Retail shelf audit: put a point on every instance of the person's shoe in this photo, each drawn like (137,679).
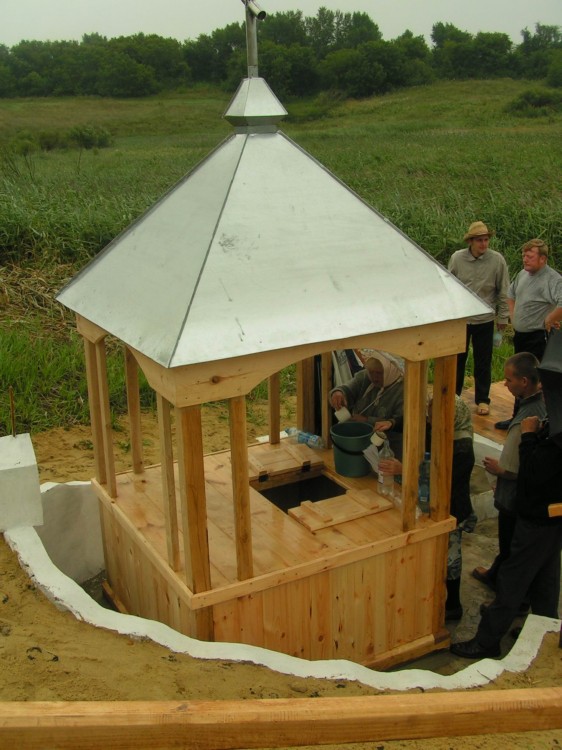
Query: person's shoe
(453,614)
(503,424)
(474,650)
(483,409)
(481,574)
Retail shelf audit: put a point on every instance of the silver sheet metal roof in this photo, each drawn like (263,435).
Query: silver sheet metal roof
(260,248)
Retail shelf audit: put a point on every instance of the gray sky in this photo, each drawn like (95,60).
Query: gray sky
(186,19)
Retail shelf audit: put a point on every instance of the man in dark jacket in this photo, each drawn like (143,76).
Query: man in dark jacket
(533,566)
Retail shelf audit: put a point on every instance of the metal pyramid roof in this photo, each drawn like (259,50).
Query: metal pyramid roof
(260,248)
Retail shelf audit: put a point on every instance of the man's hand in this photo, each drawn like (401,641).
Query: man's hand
(530,424)
(337,400)
(384,425)
(492,466)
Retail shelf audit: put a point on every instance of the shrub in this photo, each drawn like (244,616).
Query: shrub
(90,136)
(536,103)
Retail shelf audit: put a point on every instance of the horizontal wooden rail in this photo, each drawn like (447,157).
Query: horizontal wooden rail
(220,725)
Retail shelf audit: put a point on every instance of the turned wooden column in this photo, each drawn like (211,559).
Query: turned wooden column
(133,408)
(305,394)
(415,405)
(168,483)
(241,487)
(274,403)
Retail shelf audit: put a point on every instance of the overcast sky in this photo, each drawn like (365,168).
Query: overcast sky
(186,19)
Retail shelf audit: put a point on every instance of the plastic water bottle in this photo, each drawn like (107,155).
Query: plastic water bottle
(386,481)
(423,485)
(313,441)
(498,338)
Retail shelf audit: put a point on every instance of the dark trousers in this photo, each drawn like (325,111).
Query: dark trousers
(533,341)
(534,567)
(482,336)
(506,529)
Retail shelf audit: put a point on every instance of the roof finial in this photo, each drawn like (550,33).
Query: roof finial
(253,14)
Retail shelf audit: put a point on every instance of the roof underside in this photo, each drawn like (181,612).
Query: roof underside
(260,248)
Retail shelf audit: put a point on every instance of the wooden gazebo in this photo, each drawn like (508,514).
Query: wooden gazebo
(260,258)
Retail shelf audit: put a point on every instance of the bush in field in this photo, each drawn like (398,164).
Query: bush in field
(90,136)
(536,103)
(50,139)
(554,75)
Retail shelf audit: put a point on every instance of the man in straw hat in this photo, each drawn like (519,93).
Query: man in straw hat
(483,271)
(535,304)
(533,566)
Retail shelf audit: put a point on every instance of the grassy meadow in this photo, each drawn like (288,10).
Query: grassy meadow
(432,159)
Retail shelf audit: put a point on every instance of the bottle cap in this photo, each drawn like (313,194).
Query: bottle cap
(378,438)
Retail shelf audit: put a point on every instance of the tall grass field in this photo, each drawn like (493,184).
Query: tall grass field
(432,159)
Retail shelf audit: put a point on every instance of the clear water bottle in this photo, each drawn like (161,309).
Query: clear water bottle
(423,485)
(385,481)
(299,436)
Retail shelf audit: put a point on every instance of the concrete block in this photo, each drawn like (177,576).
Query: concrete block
(20,495)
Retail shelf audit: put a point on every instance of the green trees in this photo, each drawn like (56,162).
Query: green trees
(335,51)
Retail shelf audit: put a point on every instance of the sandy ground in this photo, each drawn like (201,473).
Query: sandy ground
(49,655)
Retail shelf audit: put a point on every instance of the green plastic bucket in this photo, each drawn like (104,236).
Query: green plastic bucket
(350,440)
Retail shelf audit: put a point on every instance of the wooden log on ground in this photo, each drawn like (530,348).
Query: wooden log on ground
(221,725)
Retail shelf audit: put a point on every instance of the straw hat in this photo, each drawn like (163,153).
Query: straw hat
(477,229)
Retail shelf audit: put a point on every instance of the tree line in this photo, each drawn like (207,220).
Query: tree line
(298,55)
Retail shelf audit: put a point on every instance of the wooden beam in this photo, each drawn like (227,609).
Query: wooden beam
(241,487)
(168,483)
(305,394)
(133,407)
(326,387)
(211,381)
(106,431)
(221,725)
(555,509)
(274,396)
(193,498)
(442,433)
(95,409)
(415,400)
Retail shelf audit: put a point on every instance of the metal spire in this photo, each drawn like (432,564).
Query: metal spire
(253,14)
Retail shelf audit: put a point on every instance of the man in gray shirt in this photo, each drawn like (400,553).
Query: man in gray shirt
(485,272)
(535,304)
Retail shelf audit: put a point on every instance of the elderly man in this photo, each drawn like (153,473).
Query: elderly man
(533,565)
(521,380)
(484,271)
(535,304)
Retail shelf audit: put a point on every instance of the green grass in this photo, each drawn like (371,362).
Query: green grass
(432,159)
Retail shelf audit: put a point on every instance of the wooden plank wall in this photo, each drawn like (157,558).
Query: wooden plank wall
(363,611)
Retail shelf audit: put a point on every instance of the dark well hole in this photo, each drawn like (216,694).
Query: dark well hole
(314,488)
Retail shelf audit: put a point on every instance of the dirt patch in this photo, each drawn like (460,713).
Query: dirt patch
(49,655)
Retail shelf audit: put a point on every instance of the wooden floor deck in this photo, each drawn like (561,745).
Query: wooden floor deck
(501,408)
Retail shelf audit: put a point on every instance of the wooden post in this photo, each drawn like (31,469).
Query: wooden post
(241,487)
(274,395)
(193,498)
(305,395)
(107,434)
(415,400)
(194,510)
(168,483)
(326,387)
(442,436)
(133,406)
(95,409)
